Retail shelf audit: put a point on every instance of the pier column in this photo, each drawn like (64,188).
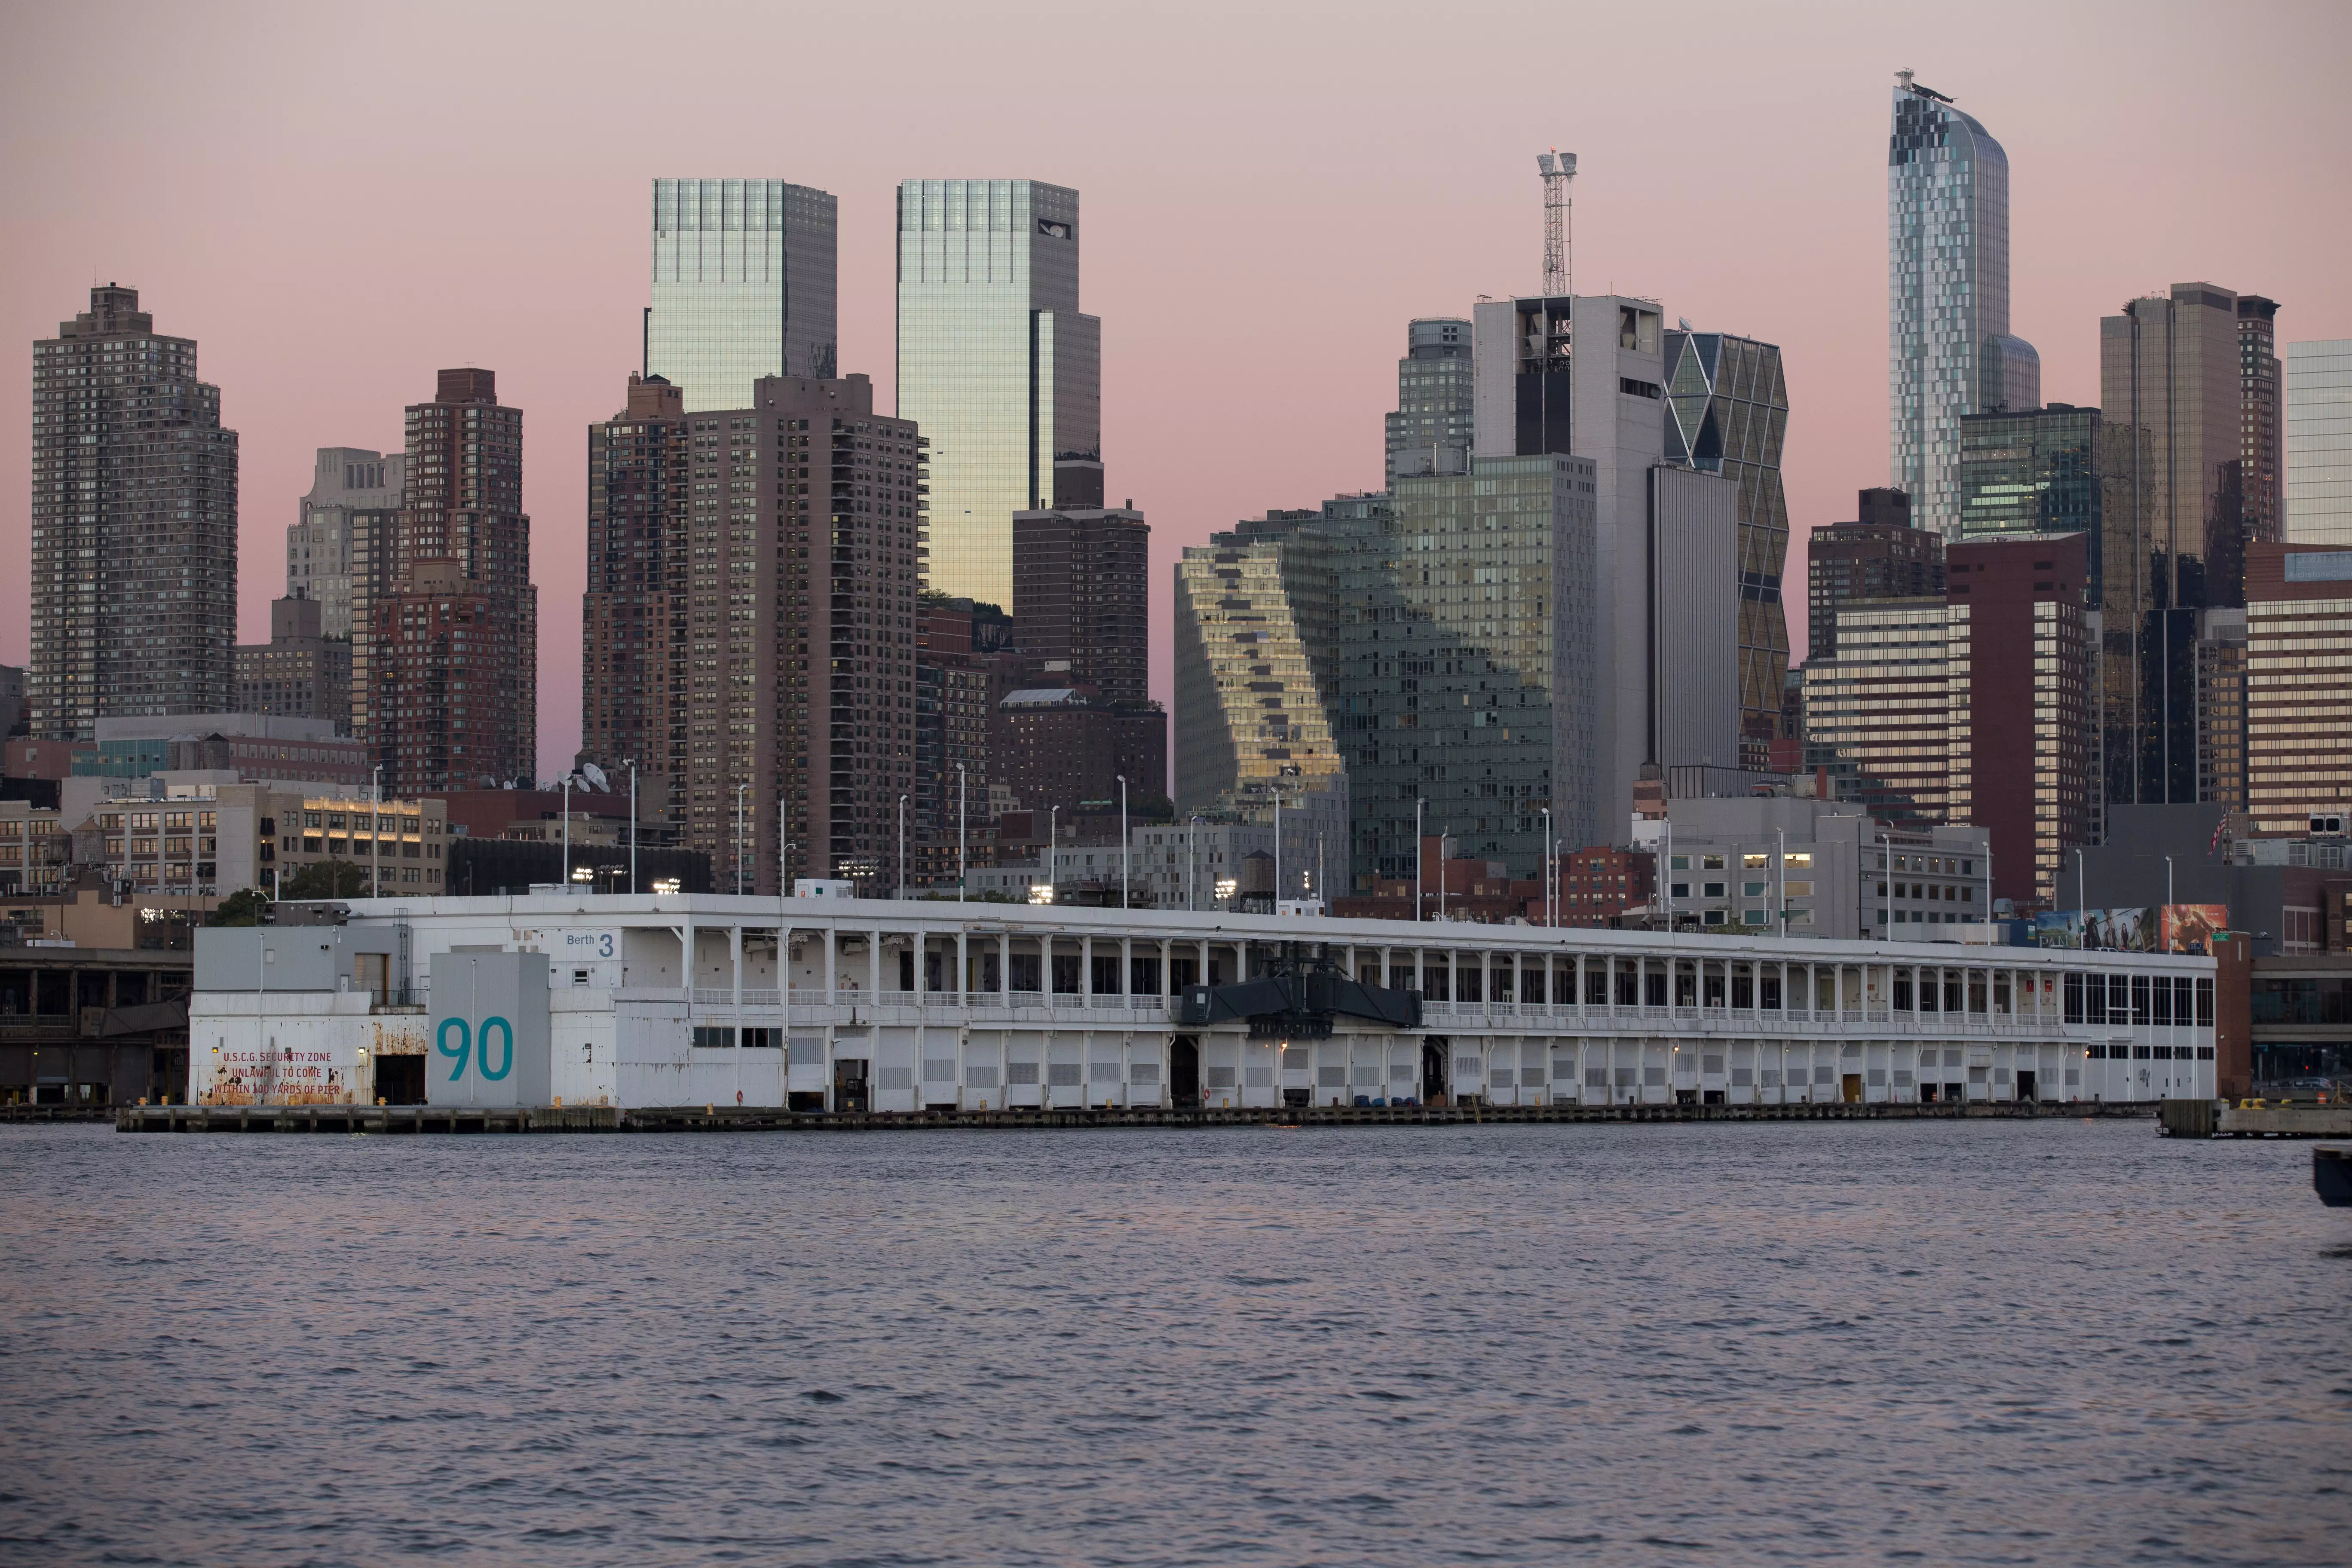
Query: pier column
(831,954)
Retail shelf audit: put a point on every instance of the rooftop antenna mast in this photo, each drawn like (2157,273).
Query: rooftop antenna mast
(1558,168)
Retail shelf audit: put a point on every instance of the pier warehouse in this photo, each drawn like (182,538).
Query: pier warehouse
(885,1005)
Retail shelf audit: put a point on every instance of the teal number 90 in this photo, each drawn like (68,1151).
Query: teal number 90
(465,1047)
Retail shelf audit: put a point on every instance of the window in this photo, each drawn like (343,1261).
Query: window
(1711,863)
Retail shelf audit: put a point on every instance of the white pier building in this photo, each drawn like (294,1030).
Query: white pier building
(681,1000)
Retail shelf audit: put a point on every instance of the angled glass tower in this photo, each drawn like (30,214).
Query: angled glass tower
(1949,351)
(1728,413)
(997,367)
(743,286)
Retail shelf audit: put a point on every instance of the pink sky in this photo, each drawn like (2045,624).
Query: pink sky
(335,201)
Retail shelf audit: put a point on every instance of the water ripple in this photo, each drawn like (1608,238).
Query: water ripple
(1993,1343)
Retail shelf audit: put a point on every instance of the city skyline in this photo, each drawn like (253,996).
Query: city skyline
(1179,231)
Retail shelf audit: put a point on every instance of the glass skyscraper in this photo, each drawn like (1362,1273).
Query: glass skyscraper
(997,366)
(1431,430)
(1728,413)
(1465,662)
(1949,350)
(743,286)
(2319,442)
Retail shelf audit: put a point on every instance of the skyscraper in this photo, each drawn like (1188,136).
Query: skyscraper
(453,641)
(743,286)
(1255,667)
(1971,706)
(997,366)
(1465,665)
(2170,364)
(2319,442)
(1728,413)
(1082,598)
(352,489)
(134,526)
(1950,348)
(2170,367)
(1584,376)
(2263,420)
(1434,401)
(2298,683)
(297,673)
(1880,557)
(749,631)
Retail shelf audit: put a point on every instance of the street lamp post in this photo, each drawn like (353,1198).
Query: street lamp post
(375,834)
(565,879)
(1442,837)
(1419,855)
(632,765)
(1052,845)
(741,790)
(1193,864)
(2168,879)
(1122,841)
(1551,879)
(902,847)
(962,821)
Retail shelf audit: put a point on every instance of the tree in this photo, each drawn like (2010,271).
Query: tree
(326,879)
(245,907)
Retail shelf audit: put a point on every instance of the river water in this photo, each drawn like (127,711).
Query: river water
(2001,1342)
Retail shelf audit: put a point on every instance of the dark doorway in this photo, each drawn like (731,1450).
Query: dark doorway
(1926,1094)
(400,1080)
(849,1083)
(2026,1087)
(1184,1070)
(167,1075)
(1433,1072)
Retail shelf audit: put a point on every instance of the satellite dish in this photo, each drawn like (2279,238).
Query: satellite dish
(596,777)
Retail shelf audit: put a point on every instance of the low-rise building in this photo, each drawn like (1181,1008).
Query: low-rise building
(208,838)
(35,849)
(848,1004)
(1822,866)
(91,1026)
(258,748)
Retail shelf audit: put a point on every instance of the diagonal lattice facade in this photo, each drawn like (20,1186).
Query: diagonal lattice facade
(1728,413)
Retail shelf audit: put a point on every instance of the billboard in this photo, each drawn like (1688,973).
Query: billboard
(2109,930)
(2190,928)
(2163,928)
(489,1041)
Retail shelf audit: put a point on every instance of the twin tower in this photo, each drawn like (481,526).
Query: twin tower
(997,365)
